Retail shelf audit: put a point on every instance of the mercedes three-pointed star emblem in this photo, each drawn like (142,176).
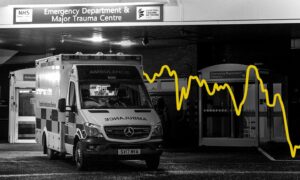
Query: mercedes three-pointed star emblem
(129,131)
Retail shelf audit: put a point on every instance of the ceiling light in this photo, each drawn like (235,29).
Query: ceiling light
(125,43)
(63,36)
(95,38)
(19,45)
(62,40)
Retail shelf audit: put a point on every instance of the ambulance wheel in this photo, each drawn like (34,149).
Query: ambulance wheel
(80,160)
(51,154)
(44,144)
(153,162)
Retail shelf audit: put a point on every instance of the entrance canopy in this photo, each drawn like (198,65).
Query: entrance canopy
(93,39)
(117,25)
(29,13)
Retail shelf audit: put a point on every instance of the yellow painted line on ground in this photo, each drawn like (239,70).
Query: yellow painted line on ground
(185,91)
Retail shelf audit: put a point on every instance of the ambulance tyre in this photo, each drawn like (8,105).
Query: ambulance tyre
(153,162)
(80,159)
(44,144)
(51,154)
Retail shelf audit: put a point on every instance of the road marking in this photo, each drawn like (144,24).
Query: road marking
(233,172)
(16,161)
(172,172)
(273,159)
(47,174)
(266,154)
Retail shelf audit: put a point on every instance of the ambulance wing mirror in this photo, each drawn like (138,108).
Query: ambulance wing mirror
(62,105)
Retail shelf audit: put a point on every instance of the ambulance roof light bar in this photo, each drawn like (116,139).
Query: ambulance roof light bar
(100,56)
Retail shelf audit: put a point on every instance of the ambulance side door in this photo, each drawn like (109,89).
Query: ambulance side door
(71,114)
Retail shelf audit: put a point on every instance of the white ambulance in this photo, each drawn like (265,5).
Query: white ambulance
(96,106)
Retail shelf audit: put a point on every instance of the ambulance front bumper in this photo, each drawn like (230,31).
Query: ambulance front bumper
(103,149)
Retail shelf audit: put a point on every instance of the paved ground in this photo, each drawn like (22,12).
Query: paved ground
(27,162)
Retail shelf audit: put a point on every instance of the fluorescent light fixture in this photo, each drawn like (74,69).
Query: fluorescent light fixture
(125,43)
(95,38)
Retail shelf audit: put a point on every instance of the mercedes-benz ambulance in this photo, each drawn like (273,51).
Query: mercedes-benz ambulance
(96,106)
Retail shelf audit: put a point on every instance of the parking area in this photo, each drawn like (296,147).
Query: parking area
(26,161)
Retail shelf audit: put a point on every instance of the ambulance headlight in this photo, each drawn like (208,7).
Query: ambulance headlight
(157,131)
(92,130)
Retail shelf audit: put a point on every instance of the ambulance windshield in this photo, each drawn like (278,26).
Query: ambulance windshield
(111,87)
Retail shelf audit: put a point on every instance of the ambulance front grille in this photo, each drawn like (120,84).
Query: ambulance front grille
(119,132)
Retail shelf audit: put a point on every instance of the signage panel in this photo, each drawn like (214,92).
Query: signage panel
(227,74)
(88,14)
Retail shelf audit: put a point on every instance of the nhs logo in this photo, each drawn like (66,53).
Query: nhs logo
(23,15)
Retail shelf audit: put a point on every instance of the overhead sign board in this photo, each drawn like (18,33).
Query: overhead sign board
(227,74)
(88,14)
(28,77)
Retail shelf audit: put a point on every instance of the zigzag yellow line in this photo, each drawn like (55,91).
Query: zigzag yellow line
(216,87)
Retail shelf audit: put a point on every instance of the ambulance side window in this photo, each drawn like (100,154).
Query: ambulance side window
(72,95)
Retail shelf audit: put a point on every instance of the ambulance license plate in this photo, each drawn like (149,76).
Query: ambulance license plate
(129,151)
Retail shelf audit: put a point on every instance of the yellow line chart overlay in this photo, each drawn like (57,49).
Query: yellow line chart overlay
(185,91)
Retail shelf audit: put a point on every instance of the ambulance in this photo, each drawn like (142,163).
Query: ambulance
(96,107)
